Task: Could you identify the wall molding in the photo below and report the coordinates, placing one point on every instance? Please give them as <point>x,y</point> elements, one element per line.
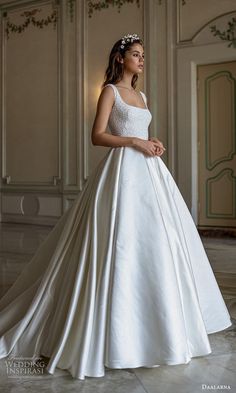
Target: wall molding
<point>181,41</point>
<point>21,201</point>
<point>82,90</point>
<point>81,104</point>
<point>7,183</point>
<point>160,74</point>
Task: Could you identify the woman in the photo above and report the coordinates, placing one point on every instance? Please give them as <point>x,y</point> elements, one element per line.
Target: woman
<point>122,280</point>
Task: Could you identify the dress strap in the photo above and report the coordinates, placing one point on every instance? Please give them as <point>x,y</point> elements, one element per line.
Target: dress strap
<point>113,87</point>
<point>144,97</point>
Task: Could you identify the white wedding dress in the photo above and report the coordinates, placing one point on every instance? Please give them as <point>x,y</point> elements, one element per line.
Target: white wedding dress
<point>122,280</point>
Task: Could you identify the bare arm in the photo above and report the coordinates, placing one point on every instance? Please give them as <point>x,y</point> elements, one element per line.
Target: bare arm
<point>100,137</point>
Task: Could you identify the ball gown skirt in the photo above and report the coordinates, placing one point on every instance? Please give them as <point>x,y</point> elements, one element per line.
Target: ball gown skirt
<point>122,280</point>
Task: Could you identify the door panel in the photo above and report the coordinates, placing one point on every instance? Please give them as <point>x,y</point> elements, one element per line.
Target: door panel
<point>217,145</point>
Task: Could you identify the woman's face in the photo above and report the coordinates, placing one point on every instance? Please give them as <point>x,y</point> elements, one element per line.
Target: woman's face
<point>134,59</point>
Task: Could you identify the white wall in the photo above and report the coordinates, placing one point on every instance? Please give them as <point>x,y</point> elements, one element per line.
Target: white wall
<point>51,82</point>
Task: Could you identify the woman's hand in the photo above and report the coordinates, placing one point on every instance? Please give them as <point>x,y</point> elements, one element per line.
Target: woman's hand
<point>160,149</point>
<point>149,147</point>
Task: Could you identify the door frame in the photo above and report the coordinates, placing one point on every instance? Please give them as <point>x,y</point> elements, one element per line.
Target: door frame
<point>188,58</point>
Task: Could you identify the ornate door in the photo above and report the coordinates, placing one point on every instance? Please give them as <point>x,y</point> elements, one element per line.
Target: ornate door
<point>217,145</point>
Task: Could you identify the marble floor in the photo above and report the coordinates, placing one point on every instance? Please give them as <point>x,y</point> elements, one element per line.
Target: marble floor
<point>215,372</point>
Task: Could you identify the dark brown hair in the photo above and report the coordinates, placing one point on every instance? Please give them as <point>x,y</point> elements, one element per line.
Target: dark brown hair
<point>115,69</point>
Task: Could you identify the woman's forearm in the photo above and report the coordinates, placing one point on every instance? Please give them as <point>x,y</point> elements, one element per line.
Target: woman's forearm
<point>109,140</point>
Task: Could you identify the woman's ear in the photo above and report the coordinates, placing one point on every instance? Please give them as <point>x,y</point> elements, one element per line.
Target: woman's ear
<point>120,59</point>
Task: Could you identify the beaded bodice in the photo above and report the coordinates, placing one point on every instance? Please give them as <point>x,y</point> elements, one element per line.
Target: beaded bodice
<point>128,120</point>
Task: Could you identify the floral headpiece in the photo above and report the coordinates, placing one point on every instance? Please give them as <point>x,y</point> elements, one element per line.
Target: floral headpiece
<point>128,38</point>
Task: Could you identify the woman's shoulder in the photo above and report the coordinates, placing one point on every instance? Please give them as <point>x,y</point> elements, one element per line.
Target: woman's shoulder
<point>112,88</point>
<point>107,96</point>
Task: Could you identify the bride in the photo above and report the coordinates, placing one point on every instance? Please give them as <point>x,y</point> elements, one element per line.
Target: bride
<point>122,280</point>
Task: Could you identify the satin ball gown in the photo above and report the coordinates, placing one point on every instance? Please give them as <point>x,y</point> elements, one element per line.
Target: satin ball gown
<point>122,280</point>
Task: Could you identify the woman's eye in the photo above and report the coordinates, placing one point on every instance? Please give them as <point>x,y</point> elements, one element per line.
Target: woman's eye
<point>135,54</point>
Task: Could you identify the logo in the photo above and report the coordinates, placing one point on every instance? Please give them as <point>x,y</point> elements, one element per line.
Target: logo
<point>24,367</point>
<point>215,387</point>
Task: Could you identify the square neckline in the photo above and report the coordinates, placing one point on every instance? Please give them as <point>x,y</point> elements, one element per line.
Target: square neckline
<point>132,106</point>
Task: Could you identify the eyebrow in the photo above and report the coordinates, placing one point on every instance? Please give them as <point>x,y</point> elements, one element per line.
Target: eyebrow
<point>137,51</point>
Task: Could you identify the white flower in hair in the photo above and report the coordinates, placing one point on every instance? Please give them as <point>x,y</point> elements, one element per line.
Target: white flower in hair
<point>128,38</point>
